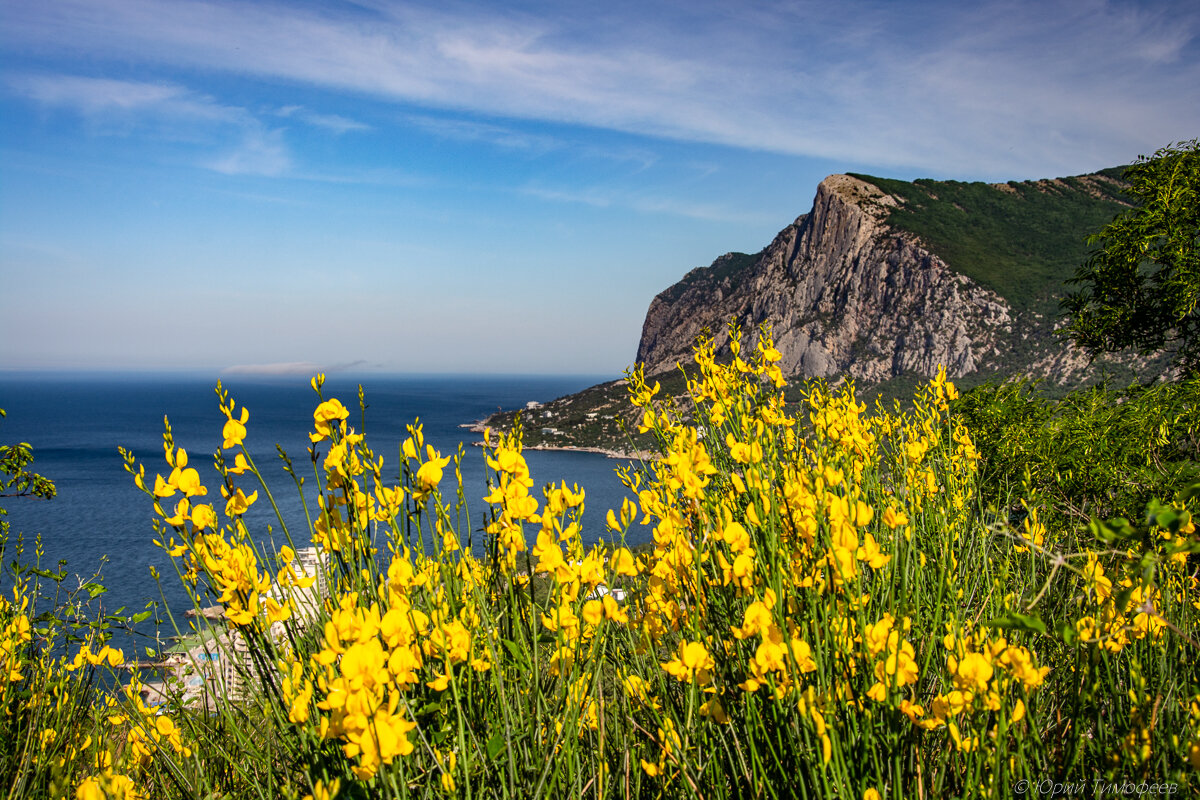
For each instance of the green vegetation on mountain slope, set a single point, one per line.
(730, 265)
(1021, 239)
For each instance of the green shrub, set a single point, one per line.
(1094, 453)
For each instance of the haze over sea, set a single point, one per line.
(76, 422)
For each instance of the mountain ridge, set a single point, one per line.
(860, 285)
(882, 281)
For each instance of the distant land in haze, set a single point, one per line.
(882, 281)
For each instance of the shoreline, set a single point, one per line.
(479, 426)
(571, 448)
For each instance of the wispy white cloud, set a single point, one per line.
(464, 130)
(95, 97)
(281, 368)
(93, 94)
(331, 122)
(518, 139)
(647, 204)
(1018, 87)
(173, 111)
(290, 368)
(260, 152)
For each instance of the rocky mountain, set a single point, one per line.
(882, 281)
(887, 278)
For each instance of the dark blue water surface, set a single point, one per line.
(76, 423)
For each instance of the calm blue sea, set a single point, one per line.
(99, 520)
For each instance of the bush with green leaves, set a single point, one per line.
(1094, 453)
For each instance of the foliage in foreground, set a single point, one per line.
(827, 611)
(1096, 452)
(1140, 287)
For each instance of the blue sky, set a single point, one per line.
(490, 187)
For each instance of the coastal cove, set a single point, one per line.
(75, 424)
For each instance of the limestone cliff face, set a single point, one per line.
(845, 293)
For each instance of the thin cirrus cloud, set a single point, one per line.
(502, 136)
(1012, 87)
(513, 138)
(259, 152)
(607, 198)
(177, 112)
(330, 122)
(291, 368)
(93, 96)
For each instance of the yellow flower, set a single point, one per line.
(593, 612)
(182, 510)
(430, 473)
(894, 518)
(742, 452)
(240, 465)
(323, 791)
(447, 776)
(182, 479)
(692, 662)
(548, 554)
(736, 537)
(188, 482)
(973, 673)
(235, 429)
(900, 662)
(613, 610)
(277, 612)
(1019, 662)
(107, 786)
(714, 710)
(965, 744)
(203, 517)
(239, 503)
(757, 618)
(326, 413)
(622, 562)
(833, 477)
(871, 553)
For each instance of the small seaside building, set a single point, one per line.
(221, 665)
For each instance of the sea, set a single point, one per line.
(100, 526)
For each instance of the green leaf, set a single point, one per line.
(1021, 622)
(496, 745)
(1188, 492)
(57, 577)
(140, 617)
(96, 589)
(1121, 600)
(429, 708)
(1102, 531)
(518, 655)
(1066, 631)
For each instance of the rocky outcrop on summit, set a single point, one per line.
(845, 294)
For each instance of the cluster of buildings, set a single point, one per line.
(211, 664)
